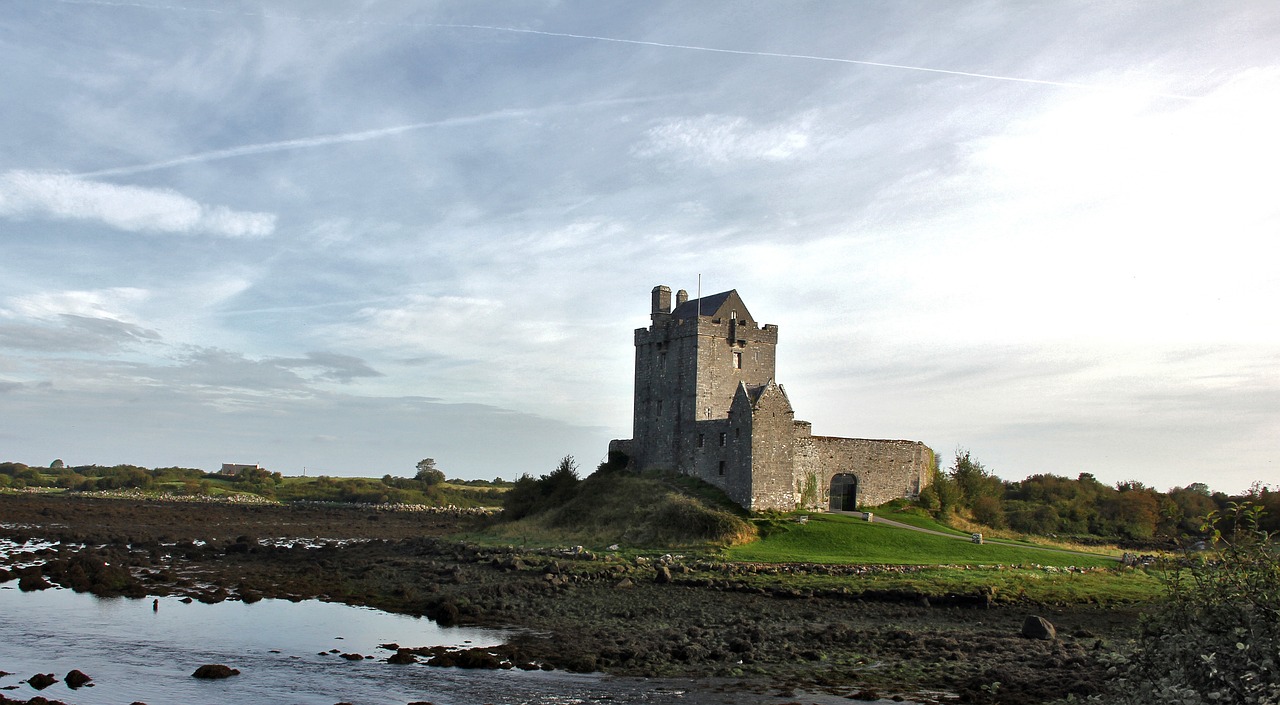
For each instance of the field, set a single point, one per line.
(826, 538)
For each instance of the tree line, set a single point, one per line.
(1046, 504)
(427, 487)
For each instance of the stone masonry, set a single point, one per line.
(707, 404)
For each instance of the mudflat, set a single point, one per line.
(578, 610)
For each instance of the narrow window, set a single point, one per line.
(702, 437)
(722, 467)
(659, 406)
(737, 360)
(737, 433)
(724, 437)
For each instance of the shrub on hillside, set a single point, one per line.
(1217, 640)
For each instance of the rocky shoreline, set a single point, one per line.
(575, 610)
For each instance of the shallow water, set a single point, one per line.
(282, 650)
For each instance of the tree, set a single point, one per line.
(57, 464)
(428, 473)
(973, 480)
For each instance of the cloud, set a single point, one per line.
(75, 333)
(209, 367)
(57, 196)
(720, 139)
(9, 386)
(332, 366)
(116, 302)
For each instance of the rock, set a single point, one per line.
(662, 574)
(402, 657)
(76, 678)
(32, 582)
(40, 681)
(1038, 628)
(624, 584)
(215, 670)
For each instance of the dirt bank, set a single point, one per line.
(583, 612)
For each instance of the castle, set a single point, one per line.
(707, 404)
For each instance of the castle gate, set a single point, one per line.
(844, 492)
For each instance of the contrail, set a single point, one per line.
(338, 138)
(663, 45)
(807, 57)
(302, 143)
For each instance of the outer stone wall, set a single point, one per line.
(886, 470)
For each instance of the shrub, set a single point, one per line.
(1217, 639)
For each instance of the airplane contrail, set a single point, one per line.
(664, 45)
(337, 138)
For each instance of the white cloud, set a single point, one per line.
(718, 139)
(39, 194)
(118, 303)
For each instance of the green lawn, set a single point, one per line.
(916, 519)
(841, 539)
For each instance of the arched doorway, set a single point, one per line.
(844, 492)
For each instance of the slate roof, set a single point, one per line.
(710, 304)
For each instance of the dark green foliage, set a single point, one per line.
(614, 462)
(428, 473)
(1217, 637)
(529, 496)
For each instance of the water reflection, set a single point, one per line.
(285, 652)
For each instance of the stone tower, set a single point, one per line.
(690, 363)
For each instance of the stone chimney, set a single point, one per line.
(661, 299)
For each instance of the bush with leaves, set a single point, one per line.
(1217, 639)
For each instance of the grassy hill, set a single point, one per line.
(828, 538)
(649, 511)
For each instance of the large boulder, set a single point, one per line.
(76, 679)
(1034, 627)
(40, 681)
(32, 582)
(215, 670)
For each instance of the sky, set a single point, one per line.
(337, 237)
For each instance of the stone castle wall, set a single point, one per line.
(886, 470)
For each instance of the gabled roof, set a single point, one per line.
(756, 393)
(713, 305)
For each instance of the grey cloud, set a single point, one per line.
(9, 386)
(223, 368)
(332, 366)
(75, 334)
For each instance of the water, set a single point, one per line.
(136, 654)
